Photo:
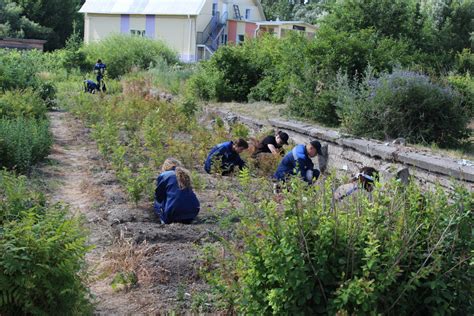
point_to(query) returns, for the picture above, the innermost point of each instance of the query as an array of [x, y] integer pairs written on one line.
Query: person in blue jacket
[[90, 86], [225, 156], [99, 69], [175, 201], [298, 161]]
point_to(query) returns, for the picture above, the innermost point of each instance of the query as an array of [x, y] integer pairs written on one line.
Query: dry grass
[[125, 256]]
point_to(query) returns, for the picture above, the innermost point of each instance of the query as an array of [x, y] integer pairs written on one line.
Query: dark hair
[[370, 172], [99, 60], [317, 145], [284, 137], [242, 143]]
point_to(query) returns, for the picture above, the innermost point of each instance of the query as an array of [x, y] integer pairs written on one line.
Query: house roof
[[162, 7]]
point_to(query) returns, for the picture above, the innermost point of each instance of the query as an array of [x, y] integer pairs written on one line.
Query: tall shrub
[[121, 53], [23, 142], [26, 103], [406, 104], [401, 252], [42, 254]]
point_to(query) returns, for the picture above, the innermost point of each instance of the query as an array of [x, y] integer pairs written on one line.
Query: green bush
[[23, 142], [19, 69], [203, 83], [24, 103], [122, 53], [228, 75], [465, 86], [465, 61], [402, 252], [314, 99], [42, 254], [283, 61], [47, 92], [404, 104], [17, 195]]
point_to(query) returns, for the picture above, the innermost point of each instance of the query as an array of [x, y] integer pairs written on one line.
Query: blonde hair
[[182, 175], [170, 164], [184, 180]]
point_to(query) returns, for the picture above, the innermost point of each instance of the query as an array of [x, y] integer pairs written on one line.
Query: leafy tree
[[392, 18], [14, 24], [278, 9], [58, 15]]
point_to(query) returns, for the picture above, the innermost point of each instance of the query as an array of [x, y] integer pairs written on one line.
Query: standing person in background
[[298, 161], [99, 69], [175, 201], [225, 156], [364, 180], [272, 144]]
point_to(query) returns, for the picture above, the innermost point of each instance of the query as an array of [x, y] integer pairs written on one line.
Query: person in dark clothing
[[364, 180], [99, 69], [225, 156], [90, 86], [272, 144], [175, 201], [298, 161]]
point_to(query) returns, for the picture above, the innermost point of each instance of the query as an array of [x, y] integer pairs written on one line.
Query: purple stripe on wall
[[125, 23], [150, 26]]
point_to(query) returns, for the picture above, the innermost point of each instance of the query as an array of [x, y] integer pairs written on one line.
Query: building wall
[[231, 32], [243, 5], [178, 32], [307, 27], [240, 29], [205, 15], [250, 29], [99, 26], [137, 22]]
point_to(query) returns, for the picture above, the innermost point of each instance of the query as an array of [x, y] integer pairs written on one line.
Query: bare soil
[[166, 258]]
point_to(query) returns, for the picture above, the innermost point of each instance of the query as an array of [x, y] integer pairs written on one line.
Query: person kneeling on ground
[[272, 144], [90, 86], [175, 201], [364, 180], [225, 156], [298, 161]]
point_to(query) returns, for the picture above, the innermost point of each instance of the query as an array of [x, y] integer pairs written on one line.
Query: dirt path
[[166, 265]]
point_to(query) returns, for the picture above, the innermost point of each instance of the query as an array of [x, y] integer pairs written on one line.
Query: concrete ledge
[[440, 165], [431, 163], [370, 148]]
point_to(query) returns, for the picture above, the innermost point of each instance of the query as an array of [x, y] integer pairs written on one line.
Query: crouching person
[[175, 201], [363, 181], [90, 86], [225, 156], [298, 161]]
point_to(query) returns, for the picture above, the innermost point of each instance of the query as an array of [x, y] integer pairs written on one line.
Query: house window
[[137, 32], [299, 28], [214, 9], [240, 38], [247, 14]]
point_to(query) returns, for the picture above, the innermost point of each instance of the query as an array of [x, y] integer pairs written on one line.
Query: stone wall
[[346, 154]]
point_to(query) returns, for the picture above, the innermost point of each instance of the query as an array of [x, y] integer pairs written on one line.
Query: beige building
[[194, 28]]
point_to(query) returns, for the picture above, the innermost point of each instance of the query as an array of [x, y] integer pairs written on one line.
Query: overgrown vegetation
[[402, 104], [400, 252], [123, 53], [43, 252], [355, 37]]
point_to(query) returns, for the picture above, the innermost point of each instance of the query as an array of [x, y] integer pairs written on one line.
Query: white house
[[194, 28]]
